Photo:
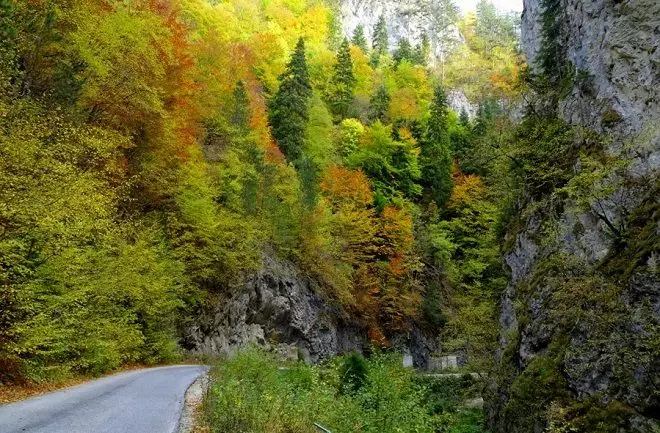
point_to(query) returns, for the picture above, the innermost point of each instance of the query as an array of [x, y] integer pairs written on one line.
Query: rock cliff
[[580, 317], [280, 308]]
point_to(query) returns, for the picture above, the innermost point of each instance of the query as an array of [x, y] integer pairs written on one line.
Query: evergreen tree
[[379, 105], [422, 51], [552, 55], [288, 110], [241, 113], [380, 43], [435, 152], [359, 39], [342, 84], [404, 52], [464, 118]]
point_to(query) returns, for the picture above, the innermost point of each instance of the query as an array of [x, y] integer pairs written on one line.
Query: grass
[[252, 393]]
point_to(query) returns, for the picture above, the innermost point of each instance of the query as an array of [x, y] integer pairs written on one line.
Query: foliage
[[251, 393], [380, 41], [289, 107], [435, 154], [342, 83], [379, 105], [359, 39], [152, 151]]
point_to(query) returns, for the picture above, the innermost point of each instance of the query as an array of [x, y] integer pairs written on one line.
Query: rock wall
[[404, 20], [600, 369], [280, 308]]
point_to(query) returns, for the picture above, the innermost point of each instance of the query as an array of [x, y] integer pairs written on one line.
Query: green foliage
[[251, 394], [353, 373], [380, 41], [85, 294], [379, 105], [359, 39], [392, 165], [435, 153], [149, 155], [552, 55], [422, 51], [289, 107], [404, 52], [348, 136], [342, 83]]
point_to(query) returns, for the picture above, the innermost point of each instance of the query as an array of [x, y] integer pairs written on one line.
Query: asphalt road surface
[[142, 401]]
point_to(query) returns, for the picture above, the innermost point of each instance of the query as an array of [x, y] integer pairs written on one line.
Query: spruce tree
[[379, 104], [403, 52], [288, 109], [435, 152], [342, 84], [359, 39], [464, 118], [380, 43], [552, 55]]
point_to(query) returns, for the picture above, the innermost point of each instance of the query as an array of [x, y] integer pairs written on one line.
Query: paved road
[[142, 401]]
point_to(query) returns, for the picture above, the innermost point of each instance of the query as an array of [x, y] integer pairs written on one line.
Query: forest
[[152, 151], [155, 155]]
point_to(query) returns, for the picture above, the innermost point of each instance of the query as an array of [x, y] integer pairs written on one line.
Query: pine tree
[[342, 84], [359, 39], [379, 104], [435, 153], [403, 52], [380, 42], [288, 110]]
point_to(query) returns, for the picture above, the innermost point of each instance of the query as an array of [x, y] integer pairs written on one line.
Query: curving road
[[143, 401]]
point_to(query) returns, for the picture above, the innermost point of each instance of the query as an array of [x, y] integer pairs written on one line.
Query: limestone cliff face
[[275, 307], [281, 309], [598, 263]]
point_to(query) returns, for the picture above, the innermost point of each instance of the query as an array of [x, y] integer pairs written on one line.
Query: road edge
[[192, 400]]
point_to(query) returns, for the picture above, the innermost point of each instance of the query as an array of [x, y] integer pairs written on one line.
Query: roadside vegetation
[[253, 393]]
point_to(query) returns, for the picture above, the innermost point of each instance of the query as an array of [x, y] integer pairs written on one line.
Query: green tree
[[404, 52], [464, 118], [288, 110], [342, 84], [379, 104], [380, 43], [422, 50], [240, 116], [552, 55], [435, 153], [359, 39]]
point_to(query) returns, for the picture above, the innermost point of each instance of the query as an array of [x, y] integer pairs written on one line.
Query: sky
[[505, 5]]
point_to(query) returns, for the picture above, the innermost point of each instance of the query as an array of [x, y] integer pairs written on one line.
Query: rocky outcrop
[[275, 307], [280, 308], [404, 20], [582, 309]]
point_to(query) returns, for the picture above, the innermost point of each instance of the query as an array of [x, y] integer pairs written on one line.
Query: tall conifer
[[343, 83], [380, 43], [379, 104], [435, 154], [359, 39], [288, 110]]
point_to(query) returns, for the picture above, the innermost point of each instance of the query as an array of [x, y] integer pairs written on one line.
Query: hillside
[[317, 177]]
